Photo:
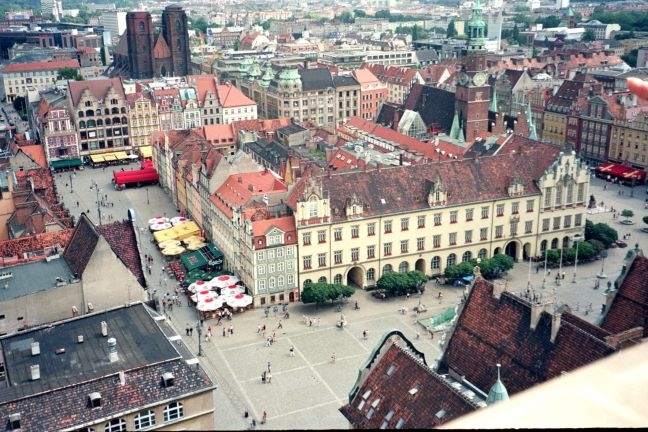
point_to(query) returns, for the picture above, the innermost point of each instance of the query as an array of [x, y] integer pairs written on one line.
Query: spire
[[493, 104], [454, 130], [533, 133], [476, 28], [498, 392]]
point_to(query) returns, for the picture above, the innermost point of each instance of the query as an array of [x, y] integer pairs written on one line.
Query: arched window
[[435, 264], [80, 114], [554, 243], [543, 246], [173, 411], [307, 282], [387, 269], [178, 27], [371, 274], [116, 120], [106, 111], [123, 110], [467, 256], [483, 253], [107, 122], [98, 112], [115, 425], [82, 124], [452, 260], [124, 120], [89, 113], [141, 26], [322, 279], [99, 122], [144, 419], [92, 123], [565, 242], [403, 267], [337, 279], [114, 111]]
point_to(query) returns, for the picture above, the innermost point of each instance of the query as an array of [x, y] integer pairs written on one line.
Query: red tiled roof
[[98, 88], [41, 66], [239, 189], [498, 330], [36, 153], [161, 49], [29, 245], [285, 224], [120, 235], [629, 306], [220, 133], [231, 97], [387, 381], [203, 84], [262, 126], [392, 74]]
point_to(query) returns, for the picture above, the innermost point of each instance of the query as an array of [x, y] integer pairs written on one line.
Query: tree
[[265, 25], [19, 104], [458, 271], [200, 25], [385, 14], [631, 57], [589, 36], [359, 13], [451, 31], [396, 283], [68, 73], [322, 292], [550, 21], [601, 232], [627, 213], [645, 220]]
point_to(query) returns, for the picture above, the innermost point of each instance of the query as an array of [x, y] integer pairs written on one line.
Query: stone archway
[[420, 265], [355, 277], [511, 249], [526, 251]]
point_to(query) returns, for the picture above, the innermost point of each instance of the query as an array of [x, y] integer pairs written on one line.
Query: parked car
[[626, 222], [621, 243]]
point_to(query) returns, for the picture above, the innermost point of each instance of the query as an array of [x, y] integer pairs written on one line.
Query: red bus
[[137, 178]]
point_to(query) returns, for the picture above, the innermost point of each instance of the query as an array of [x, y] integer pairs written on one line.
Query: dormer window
[[94, 399], [14, 421], [168, 380]]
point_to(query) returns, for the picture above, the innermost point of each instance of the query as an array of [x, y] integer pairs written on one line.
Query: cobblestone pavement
[[307, 390]]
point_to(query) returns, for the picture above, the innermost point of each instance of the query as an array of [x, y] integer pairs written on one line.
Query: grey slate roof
[[316, 79], [33, 277], [344, 81], [59, 399]]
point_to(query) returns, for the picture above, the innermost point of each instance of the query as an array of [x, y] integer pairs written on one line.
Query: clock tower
[[472, 95]]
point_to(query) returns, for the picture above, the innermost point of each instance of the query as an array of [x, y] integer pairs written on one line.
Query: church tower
[[175, 32], [139, 36], [472, 95]]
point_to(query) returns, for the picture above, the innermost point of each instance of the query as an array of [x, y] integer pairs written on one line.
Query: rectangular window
[[371, 229], [567, 223], [547, 200], [469, 215], [453, 216], [483, 234], [500, 210], [321, 236], [452, 238], [545, 224], [262, 269], [420, 243], [529, 205], [528, 227], [307, 262], [404, 224], [556, 223], [271, 254], [484, 212], [371, 251], [581, 193], [578, 220], [388, 226], [306, 239], [436, 240], [261, 256], [337, 234], [387, 249], [499, 231], [355, 254], [337, 257], [515, 207], [468, 236], [421, 221], [321, 260], [514, 228], [355, 231], [290, 280], [280, 266], [437, 219], [404, 246]]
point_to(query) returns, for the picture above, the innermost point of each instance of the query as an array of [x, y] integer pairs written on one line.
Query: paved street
[[307, 389]]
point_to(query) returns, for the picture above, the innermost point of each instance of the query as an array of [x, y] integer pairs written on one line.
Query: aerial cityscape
[[288, 215]]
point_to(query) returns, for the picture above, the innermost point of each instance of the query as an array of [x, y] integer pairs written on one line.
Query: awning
[[621, 171], [146, 151], [203, 257], [66, 163]]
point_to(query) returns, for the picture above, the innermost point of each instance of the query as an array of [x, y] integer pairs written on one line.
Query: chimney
[[122, 378], [35, 372], [104, 328], [112, 350], [536, 312], [80, 339], [555, 326], [35, 348], [498, 289]]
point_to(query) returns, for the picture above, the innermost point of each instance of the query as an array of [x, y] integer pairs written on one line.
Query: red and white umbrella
[[232, 290], [210, 304], [199, 285], [178, 220], [239, 300], [201, 295], [160, 225], [156, 219], [224, 281]]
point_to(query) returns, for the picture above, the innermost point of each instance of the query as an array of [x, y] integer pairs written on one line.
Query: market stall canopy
[[179, 232], [205, 256]]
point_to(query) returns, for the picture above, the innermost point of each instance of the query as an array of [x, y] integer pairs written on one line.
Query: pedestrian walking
[[269, 367], [187, 330], [292, 351], [224, 331], [364, 334], [269, 378], [190, 328], [280, 326], [333, 358], [264, 417]]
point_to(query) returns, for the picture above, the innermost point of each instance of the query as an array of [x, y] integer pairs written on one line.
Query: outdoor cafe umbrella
[[193, 246], [160, 225], [169, 243], [157, 219], [239, 300], [224, 281], [209, 304], [202, 295], [174, 250], [199, 285], [193, 238], [178, 220], [232, 290]]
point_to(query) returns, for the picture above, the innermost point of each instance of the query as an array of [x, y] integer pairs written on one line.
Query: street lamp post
[[602, 275], [558, 279], [199, 330], [576, 240], [95, 186], [70, 171], [544, 275], [529, 279], [147, 196]]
